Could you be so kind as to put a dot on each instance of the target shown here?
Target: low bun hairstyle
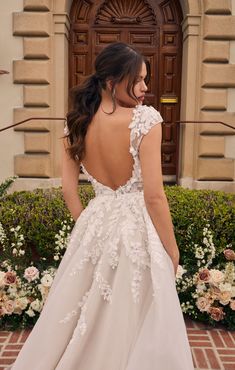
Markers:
(115, 62)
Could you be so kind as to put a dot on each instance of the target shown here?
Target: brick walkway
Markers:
(211, 348)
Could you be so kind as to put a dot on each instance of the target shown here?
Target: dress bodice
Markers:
(143, 119)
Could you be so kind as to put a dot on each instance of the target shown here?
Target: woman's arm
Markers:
(70, 177)
(154, 195)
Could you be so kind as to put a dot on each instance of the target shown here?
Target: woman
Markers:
(113, 304)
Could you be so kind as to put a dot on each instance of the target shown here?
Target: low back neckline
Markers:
(92, 179)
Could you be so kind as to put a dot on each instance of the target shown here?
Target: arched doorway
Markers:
(154, 27)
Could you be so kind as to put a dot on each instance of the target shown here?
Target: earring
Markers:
(113, 93)
(113, 99)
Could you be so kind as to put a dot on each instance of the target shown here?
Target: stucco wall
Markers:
(11, 95)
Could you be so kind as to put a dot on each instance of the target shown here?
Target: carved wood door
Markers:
(152, 26)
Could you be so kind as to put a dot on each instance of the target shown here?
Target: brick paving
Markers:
(212, 348)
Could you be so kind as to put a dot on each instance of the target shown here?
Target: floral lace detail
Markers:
(143, 120)
(81, 327)
(80, 306)
(104, 287)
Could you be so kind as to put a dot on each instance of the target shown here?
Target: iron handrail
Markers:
(64, 119)
(33, 118)
(221, 122)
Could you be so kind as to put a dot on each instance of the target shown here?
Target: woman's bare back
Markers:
(107, 142)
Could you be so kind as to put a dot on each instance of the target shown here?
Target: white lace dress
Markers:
(113, 304)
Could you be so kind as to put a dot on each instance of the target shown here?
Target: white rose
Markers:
(36, 305)
(216, 276)
(31, 273)
(47, 280)
(30, 312)
(22, 302)
(12, 290)
(200, 288)
(225, 287)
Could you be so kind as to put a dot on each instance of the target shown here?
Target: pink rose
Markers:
(216, 313)
(229, 254)
(204, 275)
(9, 306)
(216, 276)
(31, 273)
(10, 277)
(203, 304)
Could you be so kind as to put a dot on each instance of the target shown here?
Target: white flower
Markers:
(180, 272)
(46, 280)
(22, 302)
(199, 253)
(12, 290)
(30, 312)
(14, 251)
(200, 288)
(36, 305)
(225, 287)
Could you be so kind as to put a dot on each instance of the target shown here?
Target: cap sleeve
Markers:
(145, 117)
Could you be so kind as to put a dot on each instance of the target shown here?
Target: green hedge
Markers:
(40, 215)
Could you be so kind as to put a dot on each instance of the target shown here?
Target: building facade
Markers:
(48, 46)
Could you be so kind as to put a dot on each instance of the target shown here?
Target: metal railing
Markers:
(64, 119)
(32, 119)
(221, 122)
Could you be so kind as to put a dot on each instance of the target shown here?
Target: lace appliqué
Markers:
(104, 287)
(81, 327)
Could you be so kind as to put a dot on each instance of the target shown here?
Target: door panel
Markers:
(153, 27)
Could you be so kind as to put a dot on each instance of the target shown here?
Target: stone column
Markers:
(191, 26)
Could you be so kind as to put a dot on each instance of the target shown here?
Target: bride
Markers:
(113, 304)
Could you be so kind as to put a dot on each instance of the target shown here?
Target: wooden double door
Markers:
(153, 27)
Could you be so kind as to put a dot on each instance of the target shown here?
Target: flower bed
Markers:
(35, 226)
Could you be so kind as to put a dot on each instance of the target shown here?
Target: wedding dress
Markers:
(113, 304)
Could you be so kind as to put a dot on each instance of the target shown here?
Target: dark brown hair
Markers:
(115, 62)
